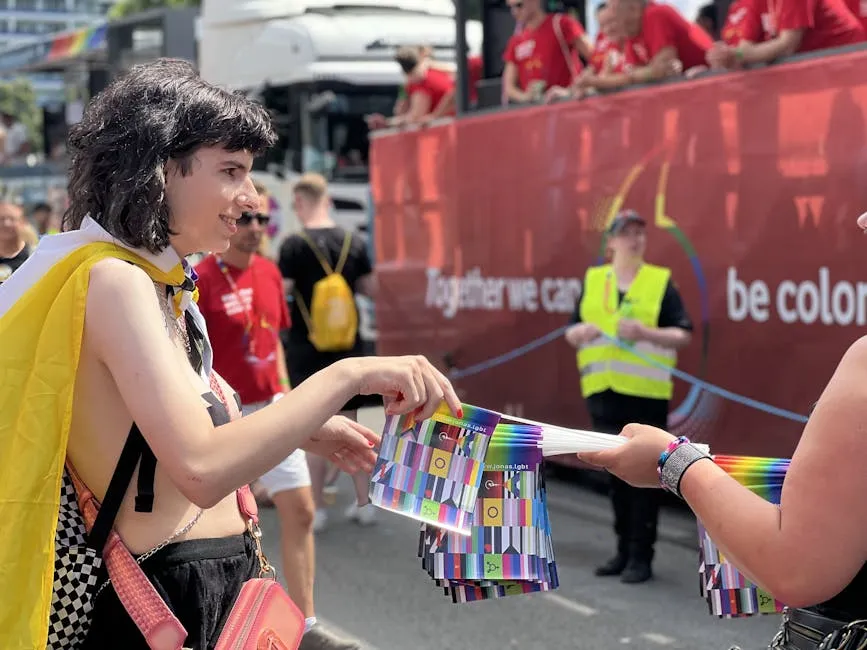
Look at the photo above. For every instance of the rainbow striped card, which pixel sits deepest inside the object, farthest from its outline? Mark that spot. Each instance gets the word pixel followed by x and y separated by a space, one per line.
pixel 509 550
pixel 728 592
pixel 432 470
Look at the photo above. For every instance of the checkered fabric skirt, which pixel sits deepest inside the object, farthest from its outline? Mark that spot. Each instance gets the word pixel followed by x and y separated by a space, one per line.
pixel 76 571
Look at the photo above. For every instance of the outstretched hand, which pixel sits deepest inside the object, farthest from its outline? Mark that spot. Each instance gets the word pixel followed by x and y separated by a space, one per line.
pixel 346 443
pixel 408 384
pixel 636 460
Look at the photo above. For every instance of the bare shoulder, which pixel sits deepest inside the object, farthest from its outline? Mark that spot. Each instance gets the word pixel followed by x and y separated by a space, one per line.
pixel 115 275
pixel 121 297
pixel 856 353
pixel 850 374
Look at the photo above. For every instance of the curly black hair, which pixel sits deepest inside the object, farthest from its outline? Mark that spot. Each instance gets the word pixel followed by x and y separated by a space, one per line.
pixel 158 111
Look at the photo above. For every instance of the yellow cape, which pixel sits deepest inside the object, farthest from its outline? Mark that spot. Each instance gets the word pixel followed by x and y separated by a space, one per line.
pixel 41 342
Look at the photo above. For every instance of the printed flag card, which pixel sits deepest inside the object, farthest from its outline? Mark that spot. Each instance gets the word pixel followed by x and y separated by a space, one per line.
pixel 477 485
pixel 509 550
pixel 431 470
pixel 728 592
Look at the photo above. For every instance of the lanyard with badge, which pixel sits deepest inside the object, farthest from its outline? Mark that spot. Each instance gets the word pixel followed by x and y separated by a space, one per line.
pixel 249 318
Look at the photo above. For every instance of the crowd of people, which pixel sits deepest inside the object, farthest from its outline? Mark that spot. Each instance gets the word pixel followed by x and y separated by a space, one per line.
pixel 550 56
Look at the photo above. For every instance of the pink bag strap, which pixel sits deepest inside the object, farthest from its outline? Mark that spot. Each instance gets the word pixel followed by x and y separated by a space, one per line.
pixel 160 627
pixel 246 500
pixel 564 47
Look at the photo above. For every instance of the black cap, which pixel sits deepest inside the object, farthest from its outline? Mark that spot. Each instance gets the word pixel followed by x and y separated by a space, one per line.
pixel 623 219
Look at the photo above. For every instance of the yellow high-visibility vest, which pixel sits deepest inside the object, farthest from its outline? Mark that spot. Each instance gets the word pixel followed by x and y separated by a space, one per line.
pixel 605 366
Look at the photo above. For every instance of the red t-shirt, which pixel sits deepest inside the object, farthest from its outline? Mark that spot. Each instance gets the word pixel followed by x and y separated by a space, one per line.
pixel 539 56
pixel 606 50
pixel 859 9
pixel 827 23
pixel 744 23
pixel 247 363
pixel 662 26
pixel 436 85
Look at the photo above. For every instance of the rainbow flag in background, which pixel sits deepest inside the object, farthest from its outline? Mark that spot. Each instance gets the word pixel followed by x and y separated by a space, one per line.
pixel 77 42
pixel 728 592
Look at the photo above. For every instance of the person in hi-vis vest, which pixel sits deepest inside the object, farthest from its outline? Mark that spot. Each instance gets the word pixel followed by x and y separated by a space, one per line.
pixel 638 303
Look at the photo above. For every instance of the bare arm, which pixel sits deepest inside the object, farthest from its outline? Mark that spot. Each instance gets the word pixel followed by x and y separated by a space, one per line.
pixel 584 47
pixel 419 107
pixel 786 44
pixel 660 67
pixel 125 327
pixel 510 83
pixel 809 548
pixel 668 337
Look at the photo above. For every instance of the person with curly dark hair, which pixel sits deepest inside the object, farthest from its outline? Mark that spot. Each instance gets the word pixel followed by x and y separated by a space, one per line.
pixel 160 169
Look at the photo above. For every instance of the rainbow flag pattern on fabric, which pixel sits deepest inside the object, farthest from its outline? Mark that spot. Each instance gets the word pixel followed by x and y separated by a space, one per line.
pixel 431 470
pixel 728 592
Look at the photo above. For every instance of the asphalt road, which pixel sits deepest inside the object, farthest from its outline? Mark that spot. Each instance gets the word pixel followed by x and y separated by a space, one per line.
pixel 370 586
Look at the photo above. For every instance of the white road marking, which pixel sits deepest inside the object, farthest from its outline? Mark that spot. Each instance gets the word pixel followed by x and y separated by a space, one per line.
pixel 571 605
pixel 343 633
pixel 659 639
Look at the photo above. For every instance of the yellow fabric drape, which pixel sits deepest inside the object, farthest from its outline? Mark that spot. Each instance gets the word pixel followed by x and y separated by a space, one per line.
pixel 40 344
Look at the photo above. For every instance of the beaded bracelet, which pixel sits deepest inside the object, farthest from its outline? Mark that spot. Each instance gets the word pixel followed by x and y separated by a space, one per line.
pixel 674 444
pixel 678 457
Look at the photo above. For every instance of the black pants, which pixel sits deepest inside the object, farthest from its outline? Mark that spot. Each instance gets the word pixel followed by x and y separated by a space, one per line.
pixel 198 579
pixel 636 510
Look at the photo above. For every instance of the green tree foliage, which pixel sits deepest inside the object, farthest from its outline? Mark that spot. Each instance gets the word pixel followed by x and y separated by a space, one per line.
pixel 18 98
pixel 130 7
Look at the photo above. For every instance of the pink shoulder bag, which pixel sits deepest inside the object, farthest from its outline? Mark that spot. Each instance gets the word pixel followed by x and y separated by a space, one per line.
pixel 263 616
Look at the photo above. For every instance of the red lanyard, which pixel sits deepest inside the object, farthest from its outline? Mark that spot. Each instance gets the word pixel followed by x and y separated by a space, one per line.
pixel 248 309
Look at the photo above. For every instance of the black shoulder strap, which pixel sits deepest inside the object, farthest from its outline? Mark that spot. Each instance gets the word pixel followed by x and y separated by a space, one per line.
pixel 117 487
pixel 144 500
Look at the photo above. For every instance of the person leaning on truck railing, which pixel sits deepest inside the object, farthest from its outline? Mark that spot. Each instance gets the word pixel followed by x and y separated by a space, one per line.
pixel 660 43
pixel 543 52
pixel 810 552
pixel 475 69
pixel 607 56
pixel 750 36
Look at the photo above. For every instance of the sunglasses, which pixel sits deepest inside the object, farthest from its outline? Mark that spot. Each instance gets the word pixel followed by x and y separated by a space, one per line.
pixel 247 217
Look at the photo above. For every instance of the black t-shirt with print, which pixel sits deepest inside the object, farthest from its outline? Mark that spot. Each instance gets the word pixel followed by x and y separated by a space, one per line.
pixel 8 265
pixel 300 264
pixel 613 410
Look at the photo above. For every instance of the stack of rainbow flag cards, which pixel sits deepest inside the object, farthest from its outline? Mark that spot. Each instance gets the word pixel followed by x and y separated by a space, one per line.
pixel 508 550
pixel 476 483
pixel 728 592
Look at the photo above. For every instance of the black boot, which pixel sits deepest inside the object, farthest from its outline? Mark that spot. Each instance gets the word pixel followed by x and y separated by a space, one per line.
pixel 614 566
pixel 636 571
